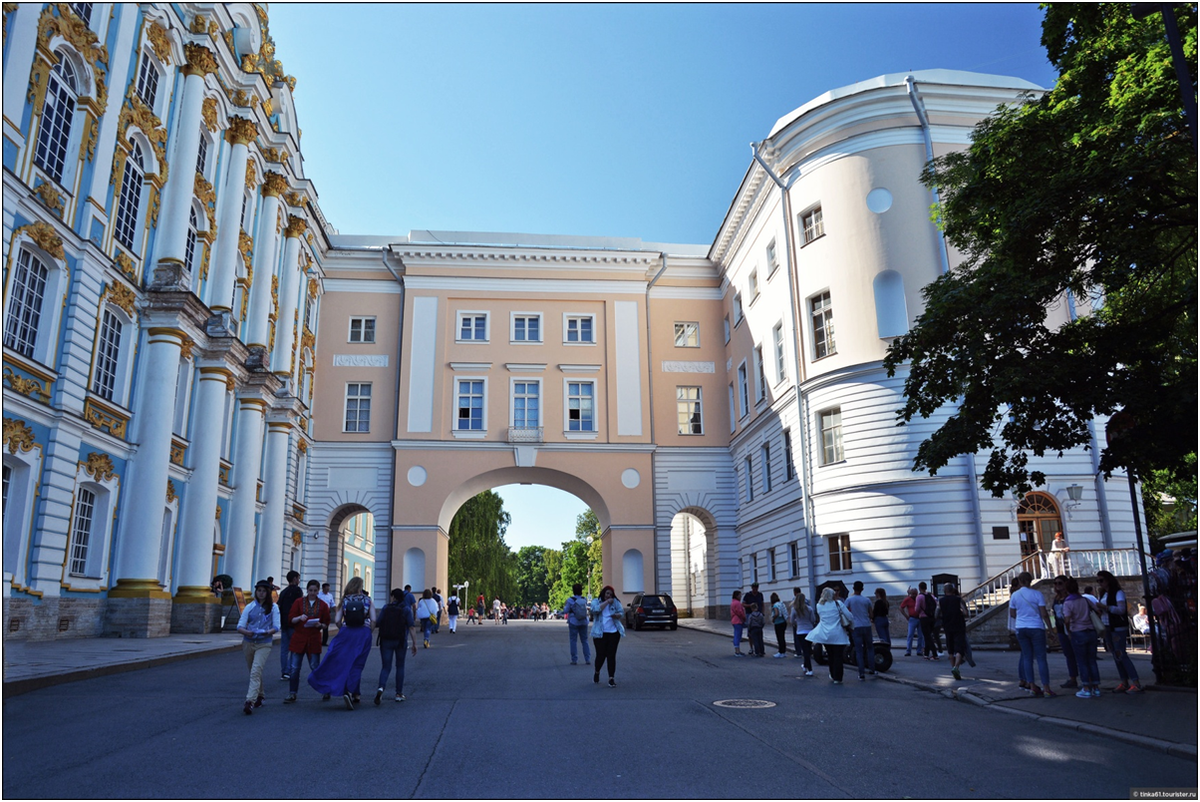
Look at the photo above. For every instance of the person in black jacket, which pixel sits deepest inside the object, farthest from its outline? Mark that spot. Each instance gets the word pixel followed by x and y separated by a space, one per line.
pixel 953 614
pixel 287 597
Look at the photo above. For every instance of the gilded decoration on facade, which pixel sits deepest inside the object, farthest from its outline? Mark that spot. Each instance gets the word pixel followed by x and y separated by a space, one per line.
pixel 103 417
pixel 313 288
pixel 264 62
pixel 296 226
pixel 160 41
pixel 208 113
pixel 268 107
pixel 308 340
pixel 246 246
pixel 135 112
pixel 200 60
pixel 99 466
pixel 51 197
pixel 300 517
pixel 120 295
pixel 274 184
pixel 17 436
pixel 204 192
pixel 44 236
pixel 199 24
pixel 126 264
pixel 218 516
pixel 276 155
pixel 178 450
pixel 296 199
pixel 186 346
pixel 239 97
pixel 80 37
pixel 231 382
pixel 302 446
pixel 251 175
pixel 171 497
pixel 241 131
pixel 91 131
pixel 26 386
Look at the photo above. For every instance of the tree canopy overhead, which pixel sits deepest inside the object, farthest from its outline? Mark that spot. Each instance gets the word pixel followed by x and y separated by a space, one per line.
pixel 1084 197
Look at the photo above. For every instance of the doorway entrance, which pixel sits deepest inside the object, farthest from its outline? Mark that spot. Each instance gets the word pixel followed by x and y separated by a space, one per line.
pixel 1038 518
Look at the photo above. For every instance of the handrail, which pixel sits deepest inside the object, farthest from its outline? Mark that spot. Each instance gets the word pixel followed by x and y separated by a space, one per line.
pixel 984 597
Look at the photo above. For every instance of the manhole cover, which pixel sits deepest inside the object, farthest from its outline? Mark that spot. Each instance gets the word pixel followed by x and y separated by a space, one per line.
pixel 744 703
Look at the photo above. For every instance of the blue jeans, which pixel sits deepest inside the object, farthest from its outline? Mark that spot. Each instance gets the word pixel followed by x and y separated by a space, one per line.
pixel 881 626
pixel 1114 641
pixel 294 660
pixel 1064 640
pixel 426 627
pixel 864 652
pixel 285 639
pixel 387 650
pixel 1084 643
pixel 579 631
pixel 737 637
pixel 914 628
pixel 1033 646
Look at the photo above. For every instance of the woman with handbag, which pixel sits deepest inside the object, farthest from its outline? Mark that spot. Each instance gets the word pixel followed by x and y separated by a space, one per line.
pixel 427 614
pixel 1081 617
pixel 831 632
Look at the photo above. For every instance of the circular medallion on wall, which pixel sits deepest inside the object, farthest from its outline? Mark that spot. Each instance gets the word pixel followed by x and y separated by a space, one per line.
pixel 631 478
pixel 879 200
pixel 417 476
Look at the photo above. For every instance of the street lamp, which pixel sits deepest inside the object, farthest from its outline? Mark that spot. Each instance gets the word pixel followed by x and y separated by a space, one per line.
pixel 590 541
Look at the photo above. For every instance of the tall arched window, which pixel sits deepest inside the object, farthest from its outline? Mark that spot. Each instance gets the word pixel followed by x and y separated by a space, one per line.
pixel 189 253
pixel 54 134
pixel 1038 518
pixel 25 297
pixel 108 355
pixel 130 199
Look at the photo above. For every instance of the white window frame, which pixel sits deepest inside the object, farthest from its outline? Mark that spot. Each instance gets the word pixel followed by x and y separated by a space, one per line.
pixel 689 411
pixel 580 434
pixel 839 546
pixel 772 258
pixel 690 331
pixel 780 353
pixel 127 205
pixel 753 286
pixel 120 361
pixel 362 320
pixel 743 388
pixel 771 564
pixel 728 330
pixel 149 76
pixel 470 434
pixel 820 315
pixel 60 107
pixel 832 446
pixel 789 469
pixel 739 313
pixel 760 376
pixel 50 307
pixel 458 326
pixel 202 148
pixel 512 395
pixel 794 558
pixel 568 317
pixel 754 570
pixel 733 419
pixel 526 316
pixel 358 412
pixel 95 565
pixel 812 224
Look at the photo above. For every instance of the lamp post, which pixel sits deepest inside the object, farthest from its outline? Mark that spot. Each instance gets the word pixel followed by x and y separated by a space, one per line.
pixel 588 555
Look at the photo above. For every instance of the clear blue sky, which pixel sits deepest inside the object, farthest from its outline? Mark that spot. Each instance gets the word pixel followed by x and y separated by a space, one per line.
pixel 604 120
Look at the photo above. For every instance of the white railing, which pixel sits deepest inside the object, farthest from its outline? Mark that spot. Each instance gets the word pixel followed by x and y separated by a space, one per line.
pixel 994 590
pixel 524 434
pixel 1086 562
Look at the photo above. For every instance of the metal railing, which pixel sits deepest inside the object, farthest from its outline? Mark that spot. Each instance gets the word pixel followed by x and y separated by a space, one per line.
pixel 524 434
pixel 1086 562
pixel 994 590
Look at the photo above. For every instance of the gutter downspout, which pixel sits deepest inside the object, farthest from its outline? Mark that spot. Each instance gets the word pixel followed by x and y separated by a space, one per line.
pixel 653 467
pixel 393 581
pixel 810 516
pixel 943 251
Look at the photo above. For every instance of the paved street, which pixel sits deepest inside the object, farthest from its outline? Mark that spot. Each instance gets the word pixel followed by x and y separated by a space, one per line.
pixel 497 712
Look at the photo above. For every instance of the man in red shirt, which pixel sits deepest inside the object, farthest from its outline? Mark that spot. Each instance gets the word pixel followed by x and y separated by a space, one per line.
pixel 308 615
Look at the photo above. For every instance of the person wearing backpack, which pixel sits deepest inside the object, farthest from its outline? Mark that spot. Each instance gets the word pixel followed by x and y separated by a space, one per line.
pixel 341 670
pixel 452 612
pixel 926 610
pixel 575 610
pixel 395 626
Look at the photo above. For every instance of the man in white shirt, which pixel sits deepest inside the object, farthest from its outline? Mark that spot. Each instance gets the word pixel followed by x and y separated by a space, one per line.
pixel 1027 608
pixel 326 597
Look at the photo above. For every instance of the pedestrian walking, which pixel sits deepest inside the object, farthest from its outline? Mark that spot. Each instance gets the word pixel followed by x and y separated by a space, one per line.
pixel 1116 635
pixel 1025 683
pixel 1028 609
pixel 953 614
pixel 437 618
pixel 755 622
pixel 287 597
pixel 427 614
pixel 341 670
pixel 780 619
pixel 607 630
pixel 1077 610
pixel 496 610
pixel 879 614
pixel 803 620
pixel 926 610
pixel 258 624
pixel 452 612
pixel 308 616
pixel 864 650
pixel 908 609
pixel 396 627
pixel 737 614
pixel 326 597
pixel 575 610
pixel 832 632
pixel 1060 629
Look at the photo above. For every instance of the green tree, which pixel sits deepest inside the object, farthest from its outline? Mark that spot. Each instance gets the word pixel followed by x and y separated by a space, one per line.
pixel 478 552
pixel 588 525
pixel 574 561
pixel 1165 517
pixel 532 584
pixel 1085 195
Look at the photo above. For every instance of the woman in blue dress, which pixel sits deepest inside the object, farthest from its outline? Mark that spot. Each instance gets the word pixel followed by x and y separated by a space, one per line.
pixel 341 670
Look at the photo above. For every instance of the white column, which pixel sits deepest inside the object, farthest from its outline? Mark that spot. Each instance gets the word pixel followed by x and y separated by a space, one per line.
pixel 268 558
pixel 239 539
pixel 288 291
pixel 136 564
pixel 200 507
pixel 224 265
pixel 171 242
pixel 266 248
pixel 21 41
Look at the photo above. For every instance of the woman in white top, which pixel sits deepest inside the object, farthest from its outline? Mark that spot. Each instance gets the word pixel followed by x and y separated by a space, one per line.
pixel 427 611
pixel 607 630
pixel 1027 608
pixel 831 631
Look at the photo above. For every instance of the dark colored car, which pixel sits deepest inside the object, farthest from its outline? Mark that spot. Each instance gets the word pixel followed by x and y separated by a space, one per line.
pixel 655 609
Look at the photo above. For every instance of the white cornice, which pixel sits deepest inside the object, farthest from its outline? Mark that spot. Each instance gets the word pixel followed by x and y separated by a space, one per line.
pixel 568 368
pixel 389 287
pixel 498 445
pixel 525 286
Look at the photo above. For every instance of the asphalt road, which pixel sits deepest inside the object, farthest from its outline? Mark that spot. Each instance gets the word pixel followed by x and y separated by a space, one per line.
pixel 498 712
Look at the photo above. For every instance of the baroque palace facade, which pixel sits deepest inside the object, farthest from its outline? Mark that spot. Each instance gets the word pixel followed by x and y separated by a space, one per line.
pixel 172 293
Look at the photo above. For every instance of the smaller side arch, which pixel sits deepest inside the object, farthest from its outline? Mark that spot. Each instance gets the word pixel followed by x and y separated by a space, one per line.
pixel 891 308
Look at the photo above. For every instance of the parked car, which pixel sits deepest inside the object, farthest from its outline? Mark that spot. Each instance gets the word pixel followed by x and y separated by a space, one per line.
pixel 652 608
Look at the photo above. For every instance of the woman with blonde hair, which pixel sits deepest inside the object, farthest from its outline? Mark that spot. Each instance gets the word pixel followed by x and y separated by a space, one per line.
pixel 341 670
pixel 830 631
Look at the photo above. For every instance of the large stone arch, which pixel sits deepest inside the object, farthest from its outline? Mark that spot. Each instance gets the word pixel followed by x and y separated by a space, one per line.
pixel 335 550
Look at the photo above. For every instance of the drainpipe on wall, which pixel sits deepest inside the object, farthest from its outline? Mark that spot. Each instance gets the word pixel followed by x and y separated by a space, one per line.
pixel 393 581
pixel 653 468
pixel 810 516
pixel 943 251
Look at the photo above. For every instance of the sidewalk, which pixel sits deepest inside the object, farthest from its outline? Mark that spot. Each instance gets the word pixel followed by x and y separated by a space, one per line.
pixel 1161 718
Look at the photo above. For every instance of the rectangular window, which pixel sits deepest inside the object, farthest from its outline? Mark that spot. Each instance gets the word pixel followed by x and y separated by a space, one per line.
pixel 687 335
pixel 472 327
pixel 788 470
pixel 527 328
pixel 362 329
pixel 581 407
pixel 202 154
pixel 25 304
pixel 81 532
pixel 737 308
pixel 732 411
pixel 579 329
pixel 470 405
pixel 760 375
pixel 812 224
pixel 831 436
pixel 772 259
pixel 771 563
pixel 527 412
pixel 753 285
pixel 687 406
pixel 749 466
pixel 821 309
pixel 358 408
pixel 129 201
pixel 727 330
pixel 743 392
pixel 108 354
pixel 780 358
pixel 794 558
pixel 754 568
pixel 83 11
pixel 766 463
pixel 147 83
pixel 839 552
